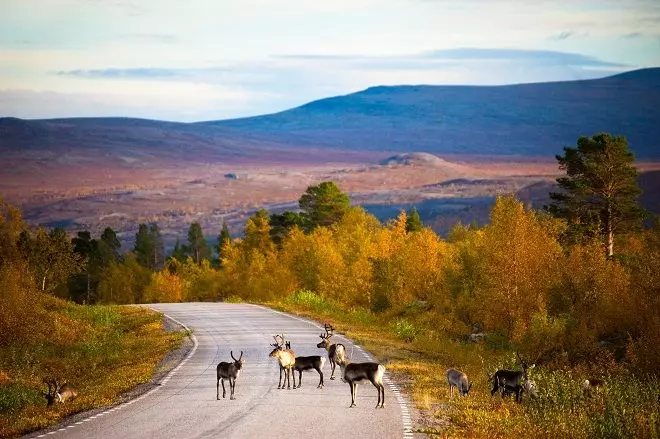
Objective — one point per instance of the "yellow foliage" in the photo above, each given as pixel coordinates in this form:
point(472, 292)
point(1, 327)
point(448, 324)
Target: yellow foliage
point(165, 287)
point(520, 267)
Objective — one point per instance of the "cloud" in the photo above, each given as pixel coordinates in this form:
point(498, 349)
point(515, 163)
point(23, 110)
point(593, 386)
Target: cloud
point(633, 35)
point(543, 57)
point(564, 35)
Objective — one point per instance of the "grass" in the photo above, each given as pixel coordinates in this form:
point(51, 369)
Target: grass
point(417, 354)
point(102, 351)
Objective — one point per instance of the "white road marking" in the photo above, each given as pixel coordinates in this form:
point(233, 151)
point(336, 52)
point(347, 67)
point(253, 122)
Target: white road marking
point(155, 389)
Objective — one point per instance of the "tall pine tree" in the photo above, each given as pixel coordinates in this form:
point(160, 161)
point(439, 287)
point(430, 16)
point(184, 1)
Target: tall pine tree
point(599, 192)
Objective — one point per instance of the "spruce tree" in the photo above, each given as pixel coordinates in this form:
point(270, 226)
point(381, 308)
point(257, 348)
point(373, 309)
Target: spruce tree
point(413, 221)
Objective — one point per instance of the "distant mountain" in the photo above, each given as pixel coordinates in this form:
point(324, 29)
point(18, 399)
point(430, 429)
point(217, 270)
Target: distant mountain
point(526, 119)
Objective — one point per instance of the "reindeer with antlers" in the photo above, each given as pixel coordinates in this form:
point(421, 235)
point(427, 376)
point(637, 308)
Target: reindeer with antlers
point(336, 351)
point(513, 381)
point(287, 360)
point(62, 392)
point(228, 371)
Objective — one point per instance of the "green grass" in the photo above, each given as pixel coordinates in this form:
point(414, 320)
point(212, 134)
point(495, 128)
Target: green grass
point(102, 351)
point(417, 353)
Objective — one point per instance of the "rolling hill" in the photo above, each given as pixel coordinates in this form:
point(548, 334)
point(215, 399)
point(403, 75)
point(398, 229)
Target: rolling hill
point(524, 120)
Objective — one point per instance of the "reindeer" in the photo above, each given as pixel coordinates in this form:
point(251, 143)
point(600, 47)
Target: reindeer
point(336, 351)
point(458, 379)
point(287, 360)
point(352, 373)
point(508, 381)
point(62, 392)
point(593, 385)
point(306, 363)
point(228, 371)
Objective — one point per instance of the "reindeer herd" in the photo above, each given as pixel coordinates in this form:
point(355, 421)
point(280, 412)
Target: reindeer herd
point(289, 363)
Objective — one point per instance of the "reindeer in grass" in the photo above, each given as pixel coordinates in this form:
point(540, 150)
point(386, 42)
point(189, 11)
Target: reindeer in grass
point(514, 381)
point(61, 393)
point(457, 379)
point(336, 351)
point(287, 360)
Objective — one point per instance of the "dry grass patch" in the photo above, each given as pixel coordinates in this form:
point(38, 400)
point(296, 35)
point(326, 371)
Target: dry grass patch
point(629, 406)
point(102, 351)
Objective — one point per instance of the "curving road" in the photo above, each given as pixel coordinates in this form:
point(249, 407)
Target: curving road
point(185, 405)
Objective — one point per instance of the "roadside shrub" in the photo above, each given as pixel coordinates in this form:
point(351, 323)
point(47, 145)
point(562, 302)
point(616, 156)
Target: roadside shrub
point(404, 329)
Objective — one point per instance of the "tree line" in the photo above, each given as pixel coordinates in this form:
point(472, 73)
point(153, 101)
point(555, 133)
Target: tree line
point(549, 281)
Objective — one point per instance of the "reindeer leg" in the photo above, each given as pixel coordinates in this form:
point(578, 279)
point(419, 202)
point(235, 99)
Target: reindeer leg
point(217, 389)
point(353, 393)
point(289, 372)
point(299, 379)
point(320, 386)
point(232, 384)
point(279, 383)
point(332, 369)
point(382, 403)
point(222, 380)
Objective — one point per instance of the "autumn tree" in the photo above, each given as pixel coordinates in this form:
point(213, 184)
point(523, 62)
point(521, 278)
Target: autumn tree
point(599, 192)
point(50, 257)
point(257, 233)
point(323, 205)
point(223, 238)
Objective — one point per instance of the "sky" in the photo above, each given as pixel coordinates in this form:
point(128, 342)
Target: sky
point(198, 60)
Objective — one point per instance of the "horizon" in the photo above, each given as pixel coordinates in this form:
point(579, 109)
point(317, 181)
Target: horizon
point(320, 99)
point(213, 61)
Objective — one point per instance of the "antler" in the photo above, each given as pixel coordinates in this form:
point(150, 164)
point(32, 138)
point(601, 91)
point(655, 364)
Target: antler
point(328, 330)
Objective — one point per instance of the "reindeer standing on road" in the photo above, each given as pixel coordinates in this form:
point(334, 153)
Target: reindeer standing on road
point(336, 351)
point(352, 373)
point(228, 371)
point(287, 360)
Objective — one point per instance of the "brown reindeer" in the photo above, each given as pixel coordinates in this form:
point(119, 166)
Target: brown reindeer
point(61, 393)
point(287, 360)
point(352, 373)
point(336, 351)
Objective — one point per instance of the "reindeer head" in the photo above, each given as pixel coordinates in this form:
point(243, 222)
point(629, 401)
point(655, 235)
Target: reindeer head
point(465, 391)
point(53, 388)
point(239, 362)
point(325, 343)
point(278, 345)
point(525, 366)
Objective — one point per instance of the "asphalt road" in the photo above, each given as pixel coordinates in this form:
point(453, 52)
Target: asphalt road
point(185, 405)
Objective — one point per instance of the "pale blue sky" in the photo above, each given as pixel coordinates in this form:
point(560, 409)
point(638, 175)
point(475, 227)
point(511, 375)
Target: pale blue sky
point(214, 59)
